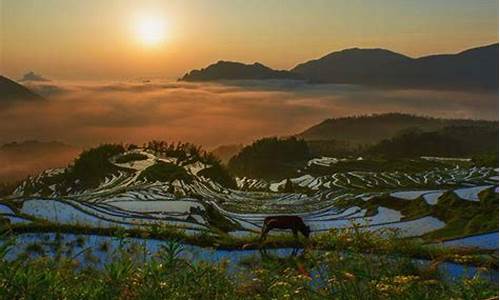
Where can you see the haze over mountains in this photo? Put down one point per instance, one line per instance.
(475, 68)
(20, 159)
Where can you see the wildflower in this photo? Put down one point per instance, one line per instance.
(383, 287)
(404, 279)
(332, 280)
(349, 276)
(430, 282)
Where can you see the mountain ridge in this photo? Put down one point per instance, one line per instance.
(229, 70)
(473, 68)
(368, 129)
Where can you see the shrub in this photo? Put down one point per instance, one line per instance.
(130, 157)
(270, 158)
(93, 165)
(219, 174)
(165, 172)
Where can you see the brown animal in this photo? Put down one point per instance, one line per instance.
(294, 223)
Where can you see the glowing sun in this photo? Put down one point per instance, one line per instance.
(151, 31)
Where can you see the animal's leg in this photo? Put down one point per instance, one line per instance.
(263, 235)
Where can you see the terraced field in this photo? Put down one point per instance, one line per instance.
(197, 204)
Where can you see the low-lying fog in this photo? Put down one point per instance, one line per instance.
(211, 114)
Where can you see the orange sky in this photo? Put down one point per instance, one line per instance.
(93, 39)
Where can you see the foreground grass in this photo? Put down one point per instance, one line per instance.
(330, 274)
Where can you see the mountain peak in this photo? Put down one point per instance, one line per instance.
(229, 70)
(475, 68)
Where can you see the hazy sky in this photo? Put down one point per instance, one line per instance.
(74, 39)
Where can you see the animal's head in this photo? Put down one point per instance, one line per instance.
(306, 230)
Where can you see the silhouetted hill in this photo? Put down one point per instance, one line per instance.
(454, 141)
(374, 128)
(350, 66)
(270, 158)
(226, 70)
(12, 91)
(474, 68)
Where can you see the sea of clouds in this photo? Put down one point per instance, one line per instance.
(211, 114)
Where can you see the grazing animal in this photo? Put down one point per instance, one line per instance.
(294, 223)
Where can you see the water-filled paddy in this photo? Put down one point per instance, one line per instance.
(100, 250)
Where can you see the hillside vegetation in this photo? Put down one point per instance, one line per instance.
(270, 158)
(370, 129)
(453, 141)
(397, 143)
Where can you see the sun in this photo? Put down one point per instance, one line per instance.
(151, 31)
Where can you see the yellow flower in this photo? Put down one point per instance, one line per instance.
(349, 276)
(332, 280)
(404, 279)
(431, 282)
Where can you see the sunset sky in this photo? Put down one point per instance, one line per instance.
(123, 39)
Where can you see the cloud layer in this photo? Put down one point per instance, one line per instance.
(212, 114)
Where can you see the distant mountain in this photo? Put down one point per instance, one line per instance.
(226, 70)
(350, 66)
(374, 128)
(32, 76)
(473, 68)
(12, 91)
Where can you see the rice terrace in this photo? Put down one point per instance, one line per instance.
(154, 158)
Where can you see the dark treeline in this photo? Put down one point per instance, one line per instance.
(184, 152)
(453, 141)
(270, 158)
(371, 129)
(275, 158)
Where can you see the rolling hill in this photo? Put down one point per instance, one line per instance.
(474, 68)
(351, 66)
(374, 128)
